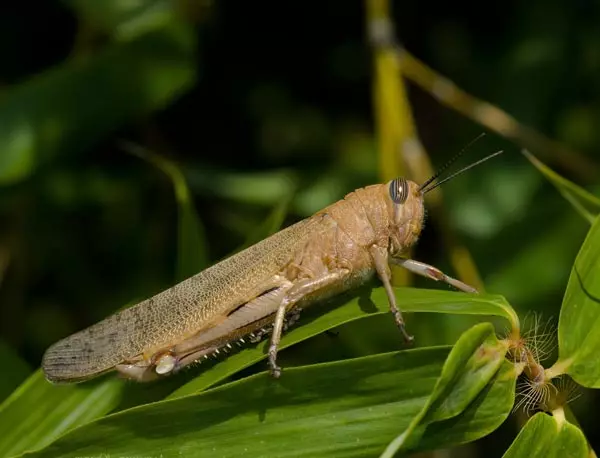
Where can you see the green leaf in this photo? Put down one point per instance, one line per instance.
(61, 406)
(38, 412)
(473, 362)
(126, 20)
(544, 436)
(256, 188)
(343, 409)
(585, 203)
(15, 370)
(484, 415)
(192, 254)
(373, 395)
(579, 322)
(68, 109)
(366, 303)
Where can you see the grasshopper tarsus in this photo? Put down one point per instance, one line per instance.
(276, 372)
(406, 336)
(273, 367)
(401, 325)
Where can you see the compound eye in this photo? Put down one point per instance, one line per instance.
(399, 190)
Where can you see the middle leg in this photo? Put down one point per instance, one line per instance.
(380, 259)
(295, 294)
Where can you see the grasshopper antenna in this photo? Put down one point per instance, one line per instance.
(450, 162)
(463, 170)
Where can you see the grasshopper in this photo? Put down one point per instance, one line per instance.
(339, 247)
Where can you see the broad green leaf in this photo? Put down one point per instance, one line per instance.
(38, 412)
(343, 409)
(15, 370)
(67, 109)
(366, 303)
(482, 416)
(366, 399)
(545, 437)
(64, 401)
(585, 203)
(472, 363)
(192, 255)
(579, 322)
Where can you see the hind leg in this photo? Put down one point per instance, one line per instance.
(295, 294)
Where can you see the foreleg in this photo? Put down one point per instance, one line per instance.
(428, 271)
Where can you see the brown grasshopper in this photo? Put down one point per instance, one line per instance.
(339, 247)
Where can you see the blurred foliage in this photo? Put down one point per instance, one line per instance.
(266, 113)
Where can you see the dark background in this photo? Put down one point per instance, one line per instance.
(282, 97)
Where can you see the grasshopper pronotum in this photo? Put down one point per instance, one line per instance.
(337, 248)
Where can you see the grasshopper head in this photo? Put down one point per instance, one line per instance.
(407, 212)
(405, 199)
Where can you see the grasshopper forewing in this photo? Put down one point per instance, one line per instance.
(340, 247)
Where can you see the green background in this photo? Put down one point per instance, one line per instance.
(267, 109)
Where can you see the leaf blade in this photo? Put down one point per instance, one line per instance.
(585, 203)
(473, 362)
(351, 407)
(19, 370)
(484, 415)
(37, 412)
(542, 436)
(211, 417)
(47, 116)
(578, 331)
(192, 253)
